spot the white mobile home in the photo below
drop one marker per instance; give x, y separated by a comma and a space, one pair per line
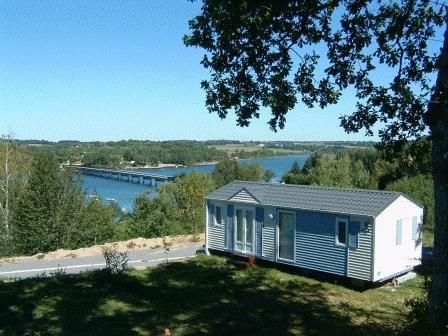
369, 235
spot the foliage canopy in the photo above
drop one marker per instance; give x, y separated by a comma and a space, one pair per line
269, 53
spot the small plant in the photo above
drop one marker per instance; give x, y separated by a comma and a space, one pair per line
40, 256
131, 245
166, 247
116, 262
59, 272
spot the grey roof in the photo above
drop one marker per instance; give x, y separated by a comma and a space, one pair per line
325, 199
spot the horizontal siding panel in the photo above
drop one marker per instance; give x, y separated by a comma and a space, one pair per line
315, 243
360, 259
359, 262
243, 196
361, 255
268, 238
216, 236
323, 268
322, 260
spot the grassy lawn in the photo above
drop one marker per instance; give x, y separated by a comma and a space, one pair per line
200, 296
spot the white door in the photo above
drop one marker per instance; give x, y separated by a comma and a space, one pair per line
244, 230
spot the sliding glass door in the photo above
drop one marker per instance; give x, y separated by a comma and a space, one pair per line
244, 230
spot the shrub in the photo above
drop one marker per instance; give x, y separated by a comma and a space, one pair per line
116, 262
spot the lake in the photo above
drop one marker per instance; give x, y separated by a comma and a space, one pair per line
124, 193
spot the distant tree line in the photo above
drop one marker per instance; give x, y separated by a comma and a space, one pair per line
313, 146
114, 154
130, 152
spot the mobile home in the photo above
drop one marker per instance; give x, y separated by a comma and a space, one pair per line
370, 235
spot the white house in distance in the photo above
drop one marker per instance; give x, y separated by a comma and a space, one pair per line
369, 235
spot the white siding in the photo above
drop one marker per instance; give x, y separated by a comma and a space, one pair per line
390, 258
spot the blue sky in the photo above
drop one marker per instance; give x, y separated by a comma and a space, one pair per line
111, 70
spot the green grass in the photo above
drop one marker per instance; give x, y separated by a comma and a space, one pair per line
204, 295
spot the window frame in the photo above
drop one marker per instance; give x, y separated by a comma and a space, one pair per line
336, 232
277, 235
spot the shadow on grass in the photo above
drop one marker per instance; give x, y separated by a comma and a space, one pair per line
203, 296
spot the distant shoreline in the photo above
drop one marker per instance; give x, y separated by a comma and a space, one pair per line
204, 163
171, 165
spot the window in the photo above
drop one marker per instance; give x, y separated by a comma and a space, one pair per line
414, 228
218, 216
286, 235
398, 232
341, 232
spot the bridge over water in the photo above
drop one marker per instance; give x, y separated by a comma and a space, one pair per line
125, 175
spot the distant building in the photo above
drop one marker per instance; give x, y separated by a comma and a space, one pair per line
369, 235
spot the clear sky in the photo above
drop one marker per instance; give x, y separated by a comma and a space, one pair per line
111, 70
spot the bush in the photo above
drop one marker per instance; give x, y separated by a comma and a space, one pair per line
116, 262
420, 318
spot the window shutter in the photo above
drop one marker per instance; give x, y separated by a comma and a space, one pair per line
259, 215
353, 231
414, 228
399, 232
211, 211
230, 211
229, 234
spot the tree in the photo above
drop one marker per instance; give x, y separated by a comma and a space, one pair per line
265, 53
229, 170
342, 171
153, 217
187, 192
94, 224
268, 175
14, 166
35, 228
177, 209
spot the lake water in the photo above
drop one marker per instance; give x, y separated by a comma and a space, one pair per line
124, 193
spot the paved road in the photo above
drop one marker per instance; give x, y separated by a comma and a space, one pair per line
139, 258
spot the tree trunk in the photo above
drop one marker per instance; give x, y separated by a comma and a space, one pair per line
8, 235
437, 118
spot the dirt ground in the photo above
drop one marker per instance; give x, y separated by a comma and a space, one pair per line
122, 246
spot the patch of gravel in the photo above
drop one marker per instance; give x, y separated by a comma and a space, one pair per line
121, 246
